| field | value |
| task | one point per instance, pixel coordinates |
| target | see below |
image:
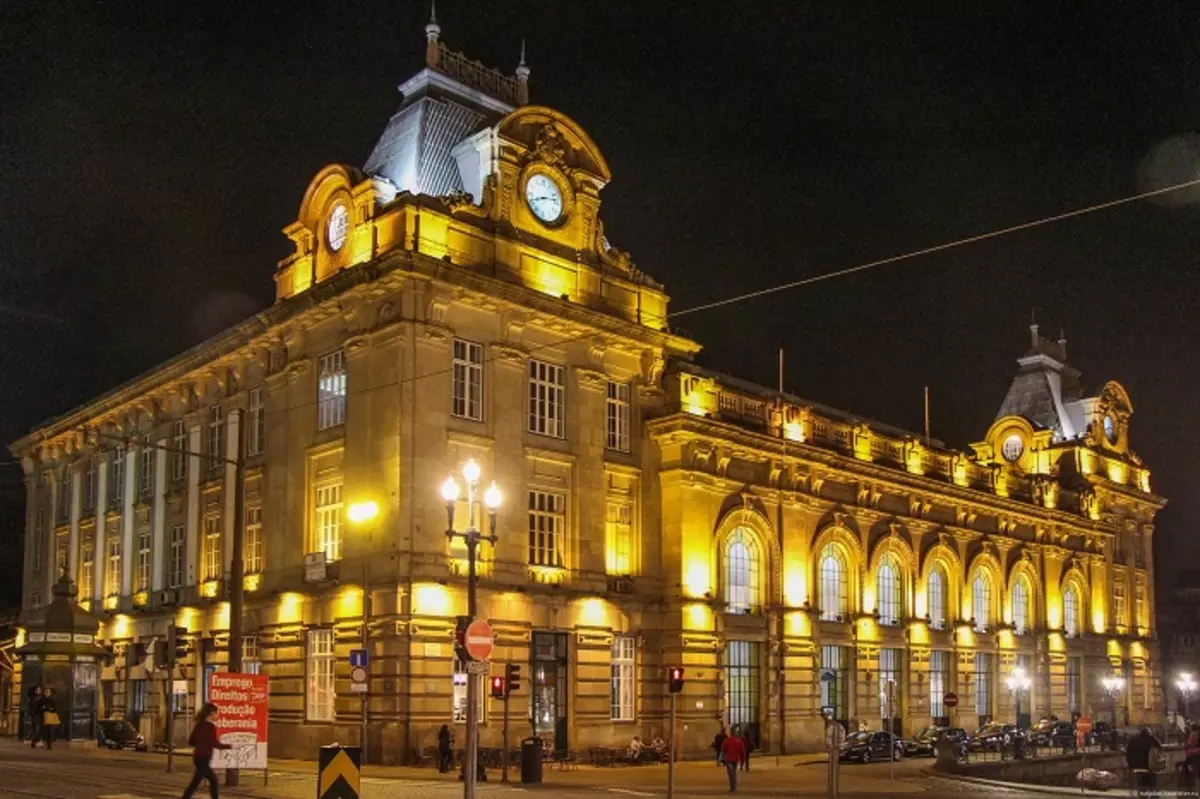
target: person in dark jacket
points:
(445, 749)
(1137, 757)
(203, 741)
(47, 715)
(718, 743)
(35, 723)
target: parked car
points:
(993, 737)
(867, 746)
(1053, 733)
(120, 734)
(924, 743)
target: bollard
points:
(338, 772)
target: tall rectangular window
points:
(618, 409)
(216, 437)
(983, 683)
(62, 546)
(547, 399)
(328, 521)
(251, 655)
(179, 445)
(618, 520)
(176, 557)
(331, 390)
(142, 578)
(256, 422)
(1119, 604)
(1139, 604)
(212, 547)
(546, 522)
(89, 486)
(459, 696)
(87, 564)
(939, 682)
(623, 680)
(62, 499)
(116, 477)
(742, 685)
(834, 679)
(1074, 685)
(320, 696)
(468, 380)
(112, 576)
(890, 670)
(253, 555)
(146, 467)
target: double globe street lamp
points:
(472, 537)
(1114, 685)
(1187, 686)
(1017, 682)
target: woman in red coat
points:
(203, 741)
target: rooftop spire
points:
(432, 31)
(522, 78)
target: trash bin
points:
(531, 760)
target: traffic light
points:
(512, 677)
(460, 639)
(675, 676)
(497, 687)
(161, 658)
(177, 650)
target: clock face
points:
(1110, 429)
(544, 198)
(339, 224)
(1012, 448)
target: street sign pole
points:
(671, 753)
(504, 733)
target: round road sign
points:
(950, 699)
(479, 640)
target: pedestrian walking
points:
(1137, 756)
(748, 743)
(1191, 763)
(203, 741)
(734, 750)
(718, 740)
(445, 749)
(47, 712)
(31, 714)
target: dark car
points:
(120, 734)
(867, 746)
(924, 743)
(1054, 733)
(993, 737)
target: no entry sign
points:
(950, 699)
(479, 640)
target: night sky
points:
(151, 153)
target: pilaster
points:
(193, 505)
(158, 545)
(128, 551)
(101, 535)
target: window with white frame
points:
(468, 380)
(1071, 612)
(936, 597)
(623, 681)
(87, 565)
(116, 477)
(833, 585)
(112, 576)
(327, 523)
(89, 486)
(1139, 604)
(1118, 602)
(216, 437)
(546, 523)
(547, 399)
(742, 572)
(256, 422)
(146, 467)
(62, 546)
(319, 696)
(887, 586)
(212, 547)
(618, 522)
(982, 683)
(142, 576)
(981, 602)
(619, 413)
(175, 557)
(1020, 606)
(939, 682)
(63, 497)
(890, 682)
(331, 390)
(251, 656)
(253, 555)
(179, 445)
(460, 696)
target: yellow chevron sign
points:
(339, 777)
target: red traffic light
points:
(497, 687)
(512, 677)
(675, 679)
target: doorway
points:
(550, 689)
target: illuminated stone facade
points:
(457, 299)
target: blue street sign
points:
(358, 658)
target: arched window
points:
(1071, 612)
(981, 601)
(935, 595)
(834, 591)
(1020, 606)
(742, 573)
(887, 589)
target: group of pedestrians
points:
(733, 751)
(42, 712)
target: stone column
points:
(128, 549)
(193, 505)
(100, 464)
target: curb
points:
(1035, 788)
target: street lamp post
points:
(471, 536)
(362, 514)
(1113, 684)
(1017, 682)
(1186, 685)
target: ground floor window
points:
(890, 682)
(982, 684)
(835, 668)
(320, 695)
(939, 683)
(623, 684)
(460, 695)
(742, 685)
(1074, 686)
(550, 691)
